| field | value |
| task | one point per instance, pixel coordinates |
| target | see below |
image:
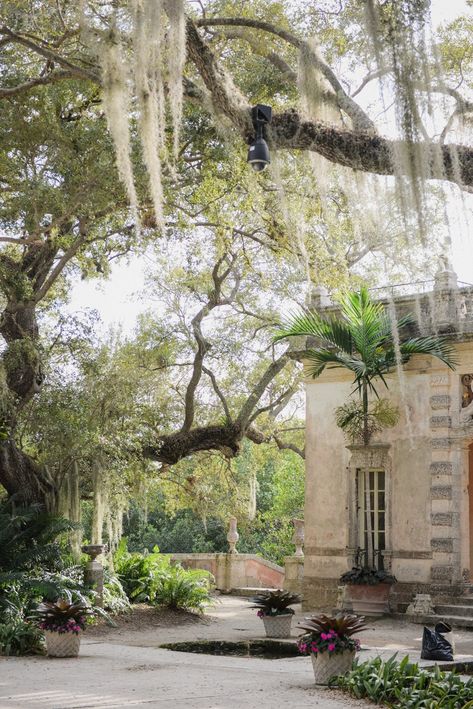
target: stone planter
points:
(278, 626)
(327, 665)
(62, 644)
(365, 599)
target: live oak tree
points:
(63, 207)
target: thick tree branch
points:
(51, 78)
(44, 51)
(214, 300)
(360, 120)
(259, 389)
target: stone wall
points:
(233, 571)
(428, 541)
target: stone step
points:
(454, 609)
(453, 601)
(247, 592)
(456, 621)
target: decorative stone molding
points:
(442, 519)
(441, 442)
(437, 380)
(440, 401)
(442, 573)
(372, 456)
(421, 605)
(441, 492)
(440, 422)
(442, 544)
(441, 468)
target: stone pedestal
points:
(294, 574)
(93, 575)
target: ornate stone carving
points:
(467, 398)
(440, 421)
(421, 605)
(443, 467)
(440, 401)
(437, 380)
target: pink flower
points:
(315, 648)
(331, 647)
(324, 636)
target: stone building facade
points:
(421, 471)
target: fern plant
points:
(182, 589)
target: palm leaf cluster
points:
(361, 339)
(275, 602)
(344, 625)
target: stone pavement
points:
(126, 668)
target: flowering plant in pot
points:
(275, 612)
(62, 622)
(367, 590)
(329, 641)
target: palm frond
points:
(438, 347)
(331, 331)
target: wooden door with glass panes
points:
(371, 516)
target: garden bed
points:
(143, 617)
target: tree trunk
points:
(366, 433)
(20, 474)
(23, 477)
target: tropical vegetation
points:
(274, 603)
(394, 683)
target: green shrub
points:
(152, 578)
(182, 589)
(20, 637)
(404, 684)
(115, 599)
(137, 572)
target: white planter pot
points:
(329, 664)
(278, 626)
(62, 644)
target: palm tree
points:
(364, 340)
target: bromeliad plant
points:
(62, 616)
(332, 634)
(272, 603)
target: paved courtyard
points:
(126, 668)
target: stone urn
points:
(232, 536)
(278, 626)
(94, 550)
(62, 644)
(298, 537)
(329, 664)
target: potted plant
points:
(63, 622)
(367, 590)
(330, 643)
(274, 611)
